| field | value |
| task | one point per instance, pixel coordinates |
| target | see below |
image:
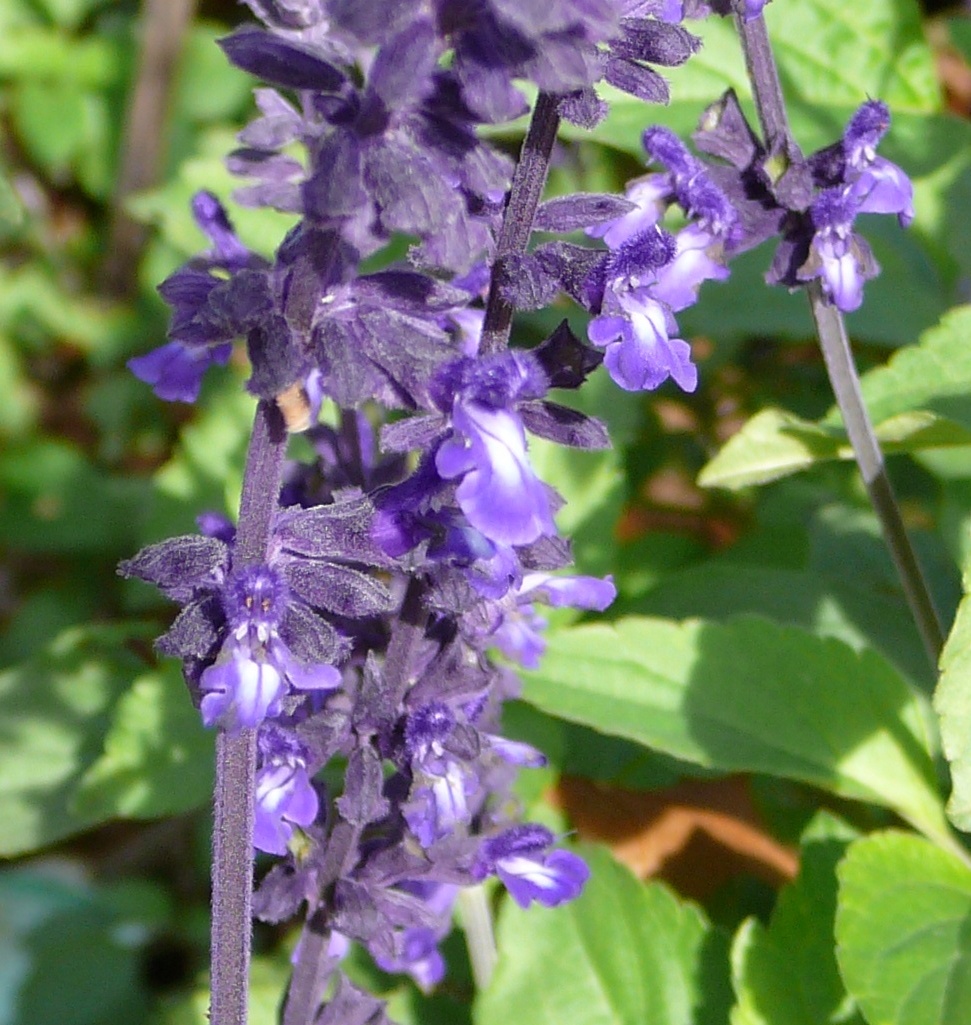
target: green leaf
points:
(952, 701)
(933, 375)
(622, 954)
(54, 711)
(775, 444)
(206, 470)
(771, 445)
(158, 757)
(750, 696)
(40, 54)
(920, 400)
(72, 953)
(785, 973)
(69, 13)
(50, 120)
(862, 613)
(829, 64)
(903, 931)
(209, 88)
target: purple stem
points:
(311, 973)
(528, 181)
(232, 849)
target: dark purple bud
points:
(637, 80)
(724, 132)
(212, 219)
(563, 425)
(655, 41)
(280, 61)
(573, 213)
(566, 360)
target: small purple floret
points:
(636, 331)
(241, 693)
(499, 491)
(285, 798)
(175, 371)
(519, 858)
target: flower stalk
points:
(838, 357)
(232, 855)
(528, 182)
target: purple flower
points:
(636, 331)
(498, 490)
(650, 275)
(256, 669)
(518, 633)
(520, 858)
(418, 954)
(175, 371)
(419, 957)
(839, 257)
(878, 185)
(439, 800)
(285, 797)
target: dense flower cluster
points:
(414, 546)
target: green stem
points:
(479, 937)
(838, 357)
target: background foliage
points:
(747, 736)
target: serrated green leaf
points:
(903, 931)
(158, 757)
(952, 701)
(852, 610)
(54, 710)
(933, 375)
(750, 696)
(785, 973)
(920, 400)
(829, 64)
(622, 954)
(773, 444)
